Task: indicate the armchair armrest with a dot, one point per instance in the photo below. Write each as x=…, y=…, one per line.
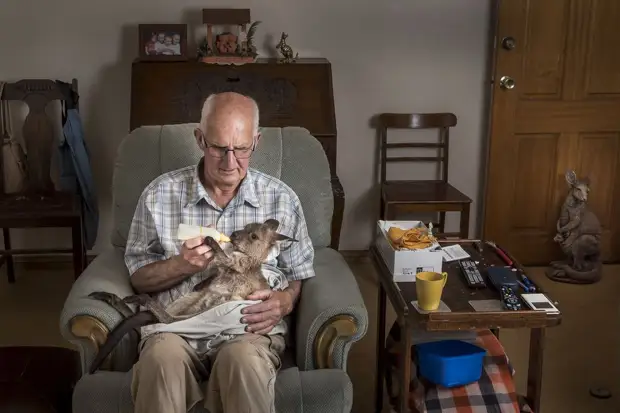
x=86, y=322
x=331, y=314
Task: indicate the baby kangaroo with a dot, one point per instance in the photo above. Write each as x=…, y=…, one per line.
x=233, y=277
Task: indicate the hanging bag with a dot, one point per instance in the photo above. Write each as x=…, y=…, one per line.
x=13, y=156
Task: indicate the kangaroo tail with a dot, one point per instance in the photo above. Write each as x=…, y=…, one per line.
x=129, y=324
x=114, y=301
x=566, y=274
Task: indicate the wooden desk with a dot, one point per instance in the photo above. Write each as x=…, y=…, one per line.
x=456, y=295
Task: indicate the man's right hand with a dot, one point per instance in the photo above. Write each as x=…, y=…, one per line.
x=195, y=255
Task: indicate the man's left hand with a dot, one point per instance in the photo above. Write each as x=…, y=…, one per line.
x=262, y=317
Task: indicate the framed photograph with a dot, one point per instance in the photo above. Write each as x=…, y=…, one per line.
x=162, y=42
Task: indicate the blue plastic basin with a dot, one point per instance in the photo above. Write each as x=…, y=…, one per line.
x=450, y=363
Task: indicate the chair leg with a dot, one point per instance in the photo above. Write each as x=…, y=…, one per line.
x=10, y=265
x=464, y=230
x=78, y=249
x=442, y=222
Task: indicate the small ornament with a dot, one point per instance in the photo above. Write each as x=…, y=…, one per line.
x=226, y=40
x=286, y=50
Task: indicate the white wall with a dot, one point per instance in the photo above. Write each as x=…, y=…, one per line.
x=387, y=56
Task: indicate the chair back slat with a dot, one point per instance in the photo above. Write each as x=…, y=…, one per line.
x=413, y=145
x=440, y=121
x=415, y=159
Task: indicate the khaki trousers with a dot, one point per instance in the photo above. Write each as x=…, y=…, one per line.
x=169, y=377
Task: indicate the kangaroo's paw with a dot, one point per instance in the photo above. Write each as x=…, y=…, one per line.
x=215, y=246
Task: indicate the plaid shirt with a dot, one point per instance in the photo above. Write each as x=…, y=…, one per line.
x=179, y=197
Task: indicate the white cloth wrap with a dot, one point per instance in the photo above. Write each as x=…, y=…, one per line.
x=205, y=331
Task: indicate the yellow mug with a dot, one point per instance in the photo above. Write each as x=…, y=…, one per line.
x=429, y=286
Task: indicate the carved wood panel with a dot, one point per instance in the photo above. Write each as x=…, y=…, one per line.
x=297, y=94
x=38, y=129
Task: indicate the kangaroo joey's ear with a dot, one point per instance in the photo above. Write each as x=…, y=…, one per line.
x=281, y=237
x=571, y=178
x=272, y=224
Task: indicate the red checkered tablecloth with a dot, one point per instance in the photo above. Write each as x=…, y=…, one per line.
x=494, y=393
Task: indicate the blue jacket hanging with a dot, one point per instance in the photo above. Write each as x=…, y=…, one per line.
x=75, y=170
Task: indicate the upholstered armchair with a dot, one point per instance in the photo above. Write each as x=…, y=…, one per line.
x=329, y=318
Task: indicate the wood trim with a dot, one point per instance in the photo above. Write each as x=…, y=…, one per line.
x=488, y=105
x=340, y=327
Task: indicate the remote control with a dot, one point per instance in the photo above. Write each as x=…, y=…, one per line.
x=509, y=299
x=471, y=273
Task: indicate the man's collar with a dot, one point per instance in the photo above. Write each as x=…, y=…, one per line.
x=246, y=193
x=197, y=192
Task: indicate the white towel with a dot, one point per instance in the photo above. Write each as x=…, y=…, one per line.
x=205, y=331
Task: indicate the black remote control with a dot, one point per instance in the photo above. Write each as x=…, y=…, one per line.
x=509, y=299
x=472, y=275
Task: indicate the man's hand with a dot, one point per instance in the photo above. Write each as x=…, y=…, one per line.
x=262, y=317
x=195, y=255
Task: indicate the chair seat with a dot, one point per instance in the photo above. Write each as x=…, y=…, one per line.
x=45, y=206
x=422, y=192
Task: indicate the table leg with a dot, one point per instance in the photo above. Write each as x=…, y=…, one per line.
x=464, y=225
x=535, y=368
x=404, y=367
x=380, y=349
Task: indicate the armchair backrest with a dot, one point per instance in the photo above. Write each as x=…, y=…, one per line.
x=290, y=154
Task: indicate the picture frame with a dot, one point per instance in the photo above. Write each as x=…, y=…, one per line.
x=229, y=37
x=162, y=42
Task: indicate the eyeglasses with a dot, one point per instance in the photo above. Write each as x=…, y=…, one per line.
x=222, y=151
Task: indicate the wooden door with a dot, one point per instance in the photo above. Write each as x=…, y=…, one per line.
x=562, y=113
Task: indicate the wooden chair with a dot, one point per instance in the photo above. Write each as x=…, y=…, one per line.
x=421, y=196
x=39, y=205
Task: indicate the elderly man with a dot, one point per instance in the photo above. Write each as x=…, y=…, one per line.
x=221, y=191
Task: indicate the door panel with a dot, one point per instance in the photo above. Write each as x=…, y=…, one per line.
x=598, y=154
x=543, y=60
x=602, y=68
x=531, y=203
x=563, y=113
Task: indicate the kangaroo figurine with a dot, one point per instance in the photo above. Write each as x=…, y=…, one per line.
x=286, y=50
x=236, y=275
x=579, y=236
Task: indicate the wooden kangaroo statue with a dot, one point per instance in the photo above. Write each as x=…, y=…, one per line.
x=579, y=236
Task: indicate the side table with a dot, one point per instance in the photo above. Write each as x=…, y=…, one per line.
x=456, y=295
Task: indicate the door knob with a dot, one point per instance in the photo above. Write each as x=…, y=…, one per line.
x=509, y=43
x=506, y=82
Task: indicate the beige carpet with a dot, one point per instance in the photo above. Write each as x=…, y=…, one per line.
x=581, y=352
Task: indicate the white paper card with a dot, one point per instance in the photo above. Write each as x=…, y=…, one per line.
x=453, y=253
x=539, y=302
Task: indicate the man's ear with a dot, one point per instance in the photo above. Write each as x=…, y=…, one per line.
x=256, y=139
x=199, y=139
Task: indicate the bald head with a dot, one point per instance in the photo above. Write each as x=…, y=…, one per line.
x=229, y=109
x=228, y=135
